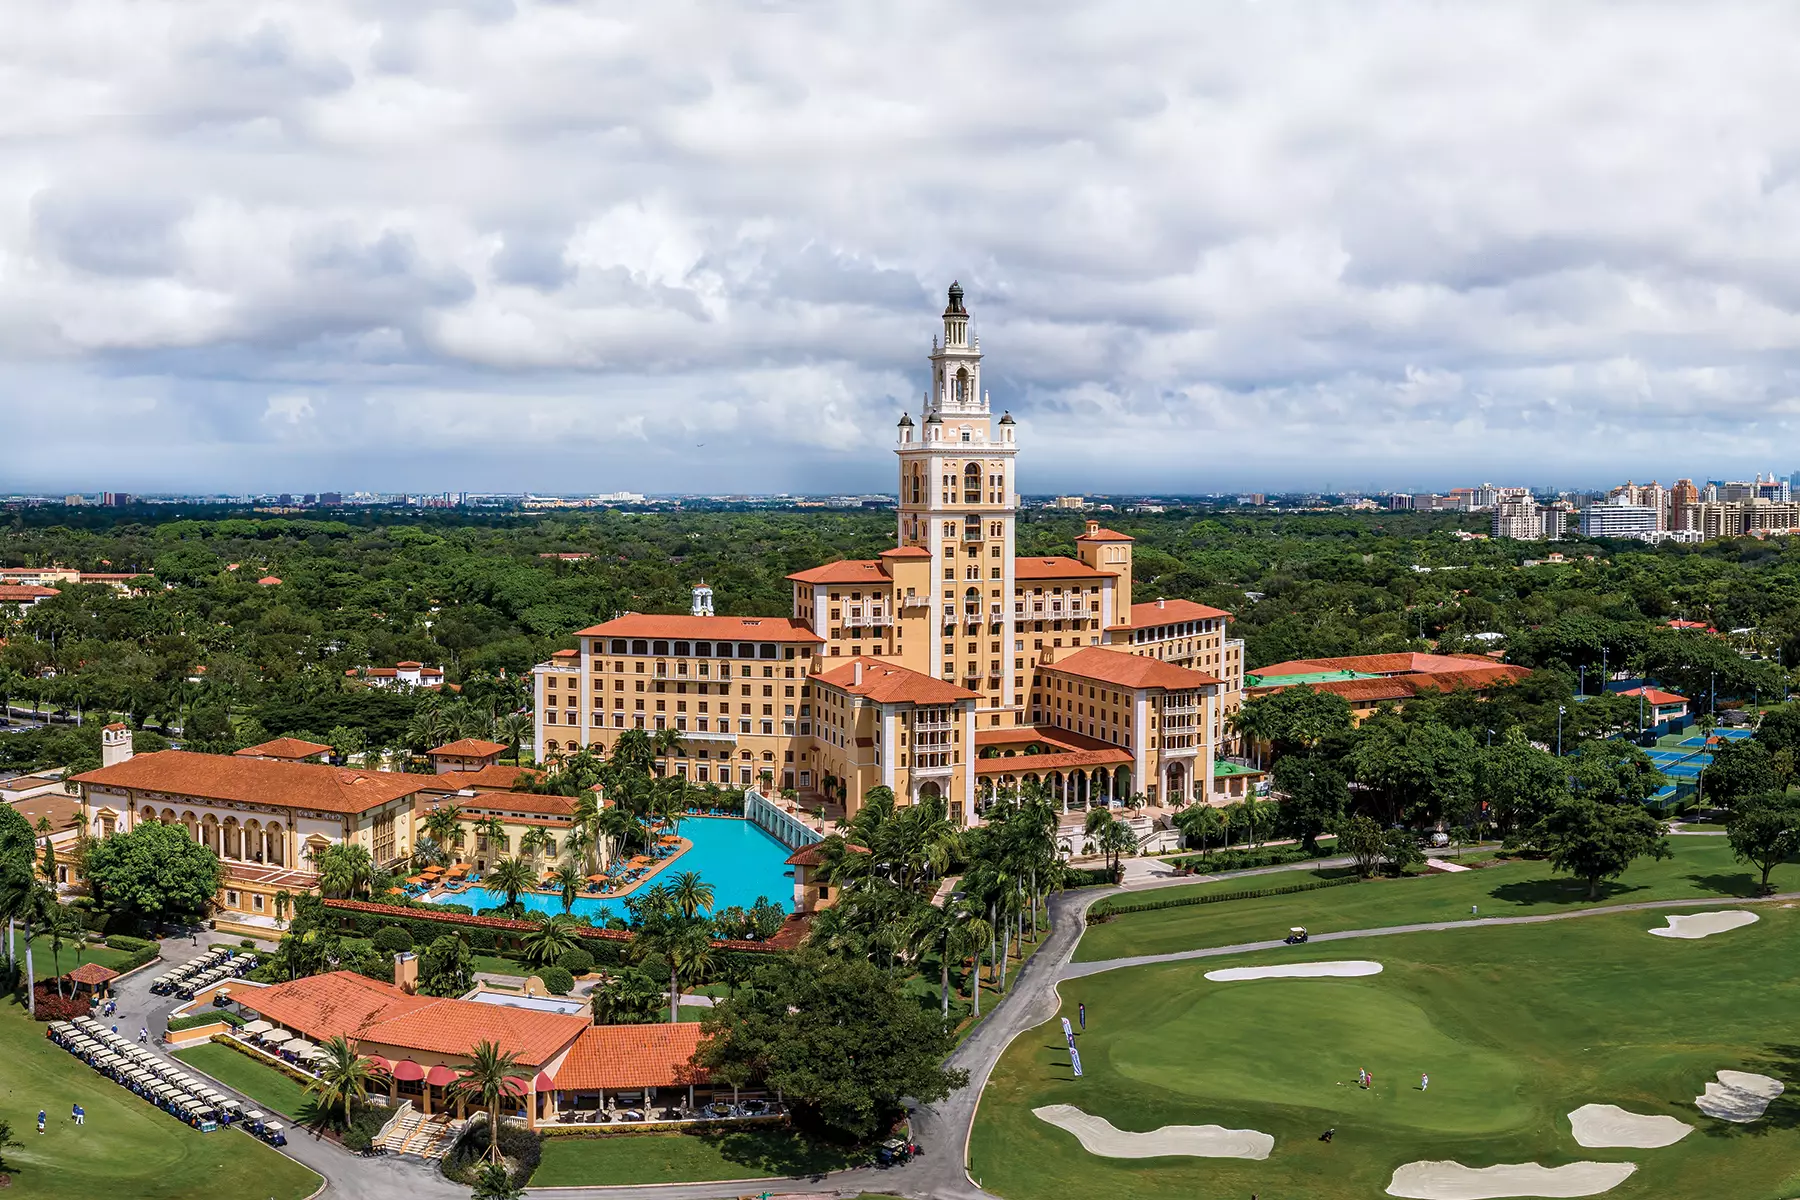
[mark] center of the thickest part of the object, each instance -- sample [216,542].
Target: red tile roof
[14,593]
[1128,670]
[495,777]
[1375,664]
[1036,764]
[1055,567]
[287,748]
[1167,612]
[1655,695]
[715,629]
[888,683]
[1098,534]
[455,1026]
[409,663]
[262,781]
[269,580]
[848,570]
[92,974]
[906,552]
[502,802]
[470,748]
[336,1004]
[632,1056]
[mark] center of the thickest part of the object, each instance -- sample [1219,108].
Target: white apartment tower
[958,500]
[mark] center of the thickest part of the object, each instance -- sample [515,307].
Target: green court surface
[1517,1026]
[1702,869]
[127,1148]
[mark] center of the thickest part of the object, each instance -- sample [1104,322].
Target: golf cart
[894,1150]
[1297,935]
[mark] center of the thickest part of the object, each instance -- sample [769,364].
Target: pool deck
[682,846]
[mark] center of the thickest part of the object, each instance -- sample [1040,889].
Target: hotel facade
[934,666]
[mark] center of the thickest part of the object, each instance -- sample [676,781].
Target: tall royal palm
[491,1078]
[343,1079]
[568,882]
[444,824]
[515,729]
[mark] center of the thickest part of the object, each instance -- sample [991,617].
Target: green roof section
[1252,679]
[1231,768]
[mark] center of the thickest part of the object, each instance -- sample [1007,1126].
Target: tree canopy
[153,872]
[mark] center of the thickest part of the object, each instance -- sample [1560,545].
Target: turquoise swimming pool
[737,858]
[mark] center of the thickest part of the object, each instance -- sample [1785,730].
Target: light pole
[1560,710]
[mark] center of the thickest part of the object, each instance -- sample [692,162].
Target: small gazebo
[91,976]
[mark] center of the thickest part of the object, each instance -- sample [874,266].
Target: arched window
[962,386]
[972,484]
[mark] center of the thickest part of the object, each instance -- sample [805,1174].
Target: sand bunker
[1098,1136]
[1610,1125]
[1347,968]
[1739,1096]
[1453,1181]
[1699,925]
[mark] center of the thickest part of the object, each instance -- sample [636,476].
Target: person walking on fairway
[1081,1012]
[40,1120]
[1424,1082]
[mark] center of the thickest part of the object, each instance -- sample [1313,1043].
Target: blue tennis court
[1684,770]
[1729,735]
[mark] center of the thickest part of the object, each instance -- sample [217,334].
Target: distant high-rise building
[331,499]
[1619,521]
[285,499]
[1682,498]
[115,499]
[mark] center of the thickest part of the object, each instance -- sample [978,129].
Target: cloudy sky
[512,245]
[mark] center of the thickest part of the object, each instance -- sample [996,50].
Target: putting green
[1517,1026]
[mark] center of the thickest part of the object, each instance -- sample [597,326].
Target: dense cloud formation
[702,247]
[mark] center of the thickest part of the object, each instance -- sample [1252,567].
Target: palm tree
[534,841]
[553,937]
[1201,823]
[568,882]
[343,1080]
[666,743]
[284,904]
[444,823]
[968,937]
[690,893]
[63,927]
[496,1183]
[515,729]
[494,830]
[512,876]
[491,1076]
[345,869]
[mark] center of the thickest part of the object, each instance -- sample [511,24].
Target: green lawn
[1702,868]
[682,1157]
[127,1147]
[262,1083]
[492,964]
[1517,1026]
[46,963]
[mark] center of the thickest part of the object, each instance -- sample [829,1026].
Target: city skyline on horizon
[1219,269]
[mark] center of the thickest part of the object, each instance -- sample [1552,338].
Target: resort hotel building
[949,665]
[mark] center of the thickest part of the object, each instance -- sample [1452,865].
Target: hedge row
[1105,910]
[195,1020]
[124,941]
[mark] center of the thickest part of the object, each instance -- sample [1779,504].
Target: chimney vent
[856,673]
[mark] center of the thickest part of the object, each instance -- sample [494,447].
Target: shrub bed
[521,1148]
[557,980]
[124,941]
[1106,910]
[195,1020]
[1239,860]
[52,1007]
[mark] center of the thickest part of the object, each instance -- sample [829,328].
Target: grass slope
[1516,1026]
[263,1084]
[1702,868]
[127,1147]
[681,1157]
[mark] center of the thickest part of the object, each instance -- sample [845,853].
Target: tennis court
[1729,735]
[1679,764]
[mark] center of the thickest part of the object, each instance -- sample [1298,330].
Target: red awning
[379,1063]
[512,1085]
[440,1075]
[406,1070]
[544,1083]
